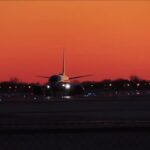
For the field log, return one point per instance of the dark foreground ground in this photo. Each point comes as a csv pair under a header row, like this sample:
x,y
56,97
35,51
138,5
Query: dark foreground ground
x,y
75,124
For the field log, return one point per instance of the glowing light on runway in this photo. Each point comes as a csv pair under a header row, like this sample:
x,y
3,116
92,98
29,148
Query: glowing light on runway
x,y
35,98
110,85
128,84
66,97
68,86
48,86
63,85
48,97
138,84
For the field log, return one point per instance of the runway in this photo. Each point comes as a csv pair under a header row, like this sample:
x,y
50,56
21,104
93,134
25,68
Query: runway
x,y
76,113
106,123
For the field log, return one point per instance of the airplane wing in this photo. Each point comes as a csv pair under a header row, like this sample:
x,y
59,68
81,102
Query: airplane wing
x,y
77,77
43,77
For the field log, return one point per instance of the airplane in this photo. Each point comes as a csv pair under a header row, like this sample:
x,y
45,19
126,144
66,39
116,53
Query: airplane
x,y
62,82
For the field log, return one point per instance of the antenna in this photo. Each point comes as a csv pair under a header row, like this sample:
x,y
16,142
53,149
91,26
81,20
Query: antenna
x,y
64,64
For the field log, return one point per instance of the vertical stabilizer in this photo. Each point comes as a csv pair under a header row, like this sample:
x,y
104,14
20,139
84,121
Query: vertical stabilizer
x,y
64,64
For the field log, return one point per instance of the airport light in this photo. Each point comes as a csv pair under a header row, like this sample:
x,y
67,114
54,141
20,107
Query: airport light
x,y
63,85
68,86
35,98
128,84
48,97
138,93
66,97
48,86
110,84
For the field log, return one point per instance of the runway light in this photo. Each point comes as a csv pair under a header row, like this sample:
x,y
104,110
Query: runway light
x,y
128,84
35,98
68,86
110,84
48,97
63,85
48,86
67,97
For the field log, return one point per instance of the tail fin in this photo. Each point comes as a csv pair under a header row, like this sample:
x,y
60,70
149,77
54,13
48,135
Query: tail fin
x,y
64,64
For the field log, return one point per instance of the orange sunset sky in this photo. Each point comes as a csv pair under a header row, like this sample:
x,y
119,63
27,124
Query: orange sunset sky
x,y
109,39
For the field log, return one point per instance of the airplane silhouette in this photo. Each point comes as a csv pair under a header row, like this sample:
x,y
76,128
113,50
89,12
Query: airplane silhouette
x,y
62,80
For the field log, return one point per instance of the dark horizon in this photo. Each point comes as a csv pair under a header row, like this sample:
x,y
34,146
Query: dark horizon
x,y
131,78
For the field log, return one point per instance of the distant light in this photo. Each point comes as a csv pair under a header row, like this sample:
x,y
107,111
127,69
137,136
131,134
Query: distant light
x,y
138,84
15,87
48,97
48,86
35,98
67,97
92,85
110,84
29,87
63,85
68,86
90,94
10,87
128,84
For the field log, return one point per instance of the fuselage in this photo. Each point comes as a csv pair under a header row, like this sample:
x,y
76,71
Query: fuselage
x,y
61,85
59,79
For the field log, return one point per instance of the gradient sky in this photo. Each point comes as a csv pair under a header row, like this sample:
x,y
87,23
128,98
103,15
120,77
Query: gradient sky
x,y
107,39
